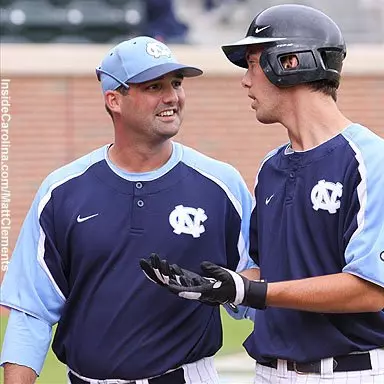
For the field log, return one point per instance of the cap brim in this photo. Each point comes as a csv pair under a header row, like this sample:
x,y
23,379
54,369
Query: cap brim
x,y
163,69
236,52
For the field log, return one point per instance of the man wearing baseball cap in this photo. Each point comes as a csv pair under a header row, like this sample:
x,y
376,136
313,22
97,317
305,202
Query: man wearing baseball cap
x,y
76,262
139,60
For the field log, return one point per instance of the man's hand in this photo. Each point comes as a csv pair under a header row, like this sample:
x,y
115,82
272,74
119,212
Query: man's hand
x,y
160,272
222,286
173,277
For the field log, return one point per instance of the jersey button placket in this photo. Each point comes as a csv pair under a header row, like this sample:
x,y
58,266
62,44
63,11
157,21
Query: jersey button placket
x,y
291,186
140,202
138,218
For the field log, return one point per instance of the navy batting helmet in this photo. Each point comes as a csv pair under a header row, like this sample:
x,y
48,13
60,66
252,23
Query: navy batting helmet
x,y
292,29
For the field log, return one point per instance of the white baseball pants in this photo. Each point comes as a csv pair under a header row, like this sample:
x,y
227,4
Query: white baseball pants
x,y
266,375
200,372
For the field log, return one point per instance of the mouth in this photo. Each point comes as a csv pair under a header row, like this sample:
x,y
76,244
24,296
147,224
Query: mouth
x,y
254,101
167,114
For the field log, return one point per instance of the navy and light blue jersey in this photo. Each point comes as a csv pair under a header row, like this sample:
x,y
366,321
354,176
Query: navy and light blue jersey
x,y
76,261
319,212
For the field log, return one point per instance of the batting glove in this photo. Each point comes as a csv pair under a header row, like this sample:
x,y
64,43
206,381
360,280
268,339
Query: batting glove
x,y
222,286
162,273
175,278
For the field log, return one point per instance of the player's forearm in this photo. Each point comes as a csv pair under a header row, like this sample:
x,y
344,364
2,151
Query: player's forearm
x,y
18,374
251,274
338,293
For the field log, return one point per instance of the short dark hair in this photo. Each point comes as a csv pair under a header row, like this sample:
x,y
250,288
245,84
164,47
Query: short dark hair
x,y
327,87
123,90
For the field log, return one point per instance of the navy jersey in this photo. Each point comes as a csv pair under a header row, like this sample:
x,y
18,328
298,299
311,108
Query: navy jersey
x,y
319,212
77,260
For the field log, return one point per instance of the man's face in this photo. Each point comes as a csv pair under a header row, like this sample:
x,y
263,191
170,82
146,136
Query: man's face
x,y
265,96
153,109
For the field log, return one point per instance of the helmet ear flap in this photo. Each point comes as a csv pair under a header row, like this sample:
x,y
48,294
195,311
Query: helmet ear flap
x,y
313,65
274,63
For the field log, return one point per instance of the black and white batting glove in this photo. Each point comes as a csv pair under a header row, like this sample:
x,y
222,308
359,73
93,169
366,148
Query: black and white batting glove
x,y
175,278
162,273
226,287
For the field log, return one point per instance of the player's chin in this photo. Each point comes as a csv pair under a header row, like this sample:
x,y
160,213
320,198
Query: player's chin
x,y
169,131
265,118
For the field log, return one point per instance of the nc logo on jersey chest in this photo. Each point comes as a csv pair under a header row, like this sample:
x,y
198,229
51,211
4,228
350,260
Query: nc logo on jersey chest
x,y
325,194
187,220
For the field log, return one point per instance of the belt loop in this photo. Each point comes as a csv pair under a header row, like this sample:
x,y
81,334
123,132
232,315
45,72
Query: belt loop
x,y
375,355
282,369
326,368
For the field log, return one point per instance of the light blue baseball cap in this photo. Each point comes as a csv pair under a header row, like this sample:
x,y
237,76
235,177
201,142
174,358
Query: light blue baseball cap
x,y
138,60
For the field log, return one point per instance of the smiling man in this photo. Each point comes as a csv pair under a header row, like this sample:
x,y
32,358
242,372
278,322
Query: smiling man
x,y
76,262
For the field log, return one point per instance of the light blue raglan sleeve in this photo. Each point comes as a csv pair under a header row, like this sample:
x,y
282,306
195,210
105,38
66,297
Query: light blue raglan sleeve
x,y
35,286
30,291
233,184
26,341
364,254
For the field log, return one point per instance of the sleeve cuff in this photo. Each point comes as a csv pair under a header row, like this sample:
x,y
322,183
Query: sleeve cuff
x,y
26,341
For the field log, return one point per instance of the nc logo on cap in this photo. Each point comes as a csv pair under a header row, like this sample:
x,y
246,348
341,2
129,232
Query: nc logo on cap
x,y
156,50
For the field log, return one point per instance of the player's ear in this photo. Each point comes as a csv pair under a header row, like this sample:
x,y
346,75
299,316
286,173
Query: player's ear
x,y
289,62
112,101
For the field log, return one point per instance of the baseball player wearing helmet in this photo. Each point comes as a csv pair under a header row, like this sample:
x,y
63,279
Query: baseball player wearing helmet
x,y
317,227
76,262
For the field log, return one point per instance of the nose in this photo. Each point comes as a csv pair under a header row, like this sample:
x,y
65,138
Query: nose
x,y
170,95
245,81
